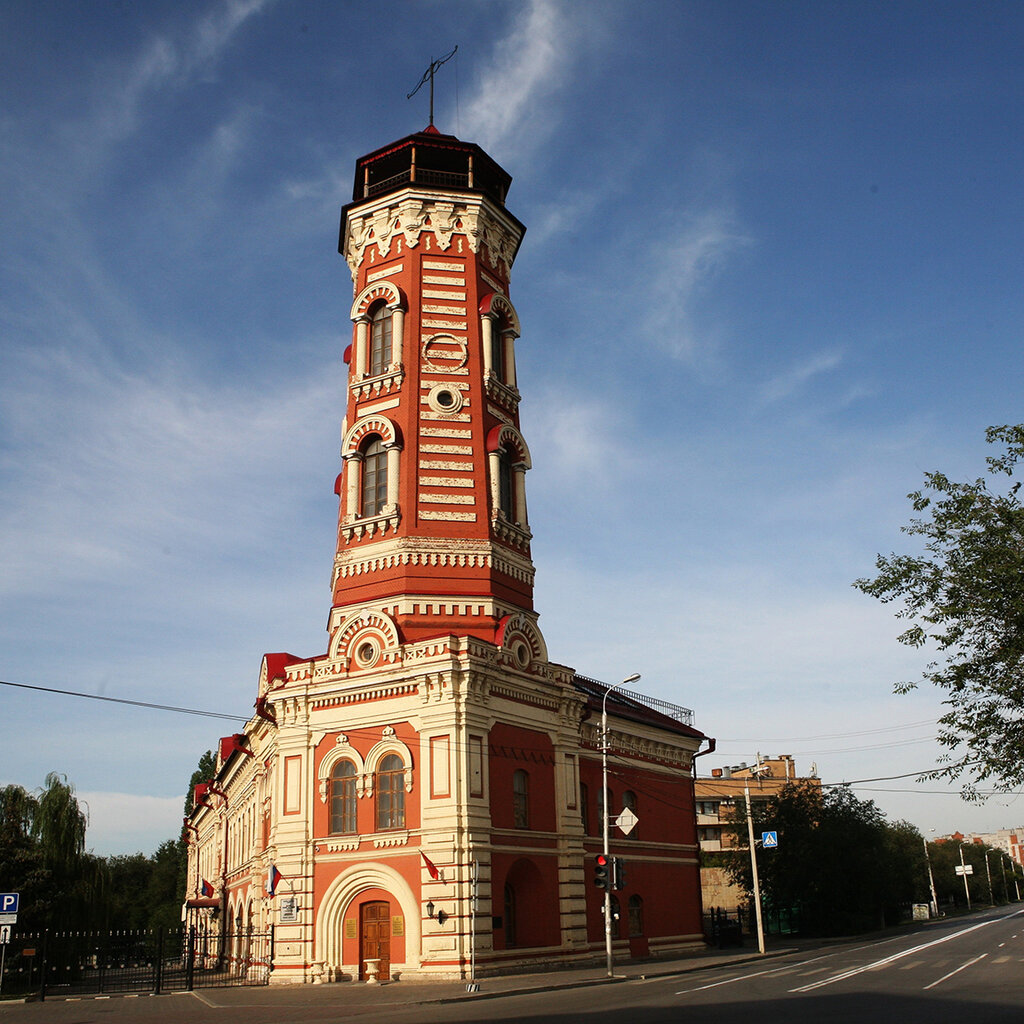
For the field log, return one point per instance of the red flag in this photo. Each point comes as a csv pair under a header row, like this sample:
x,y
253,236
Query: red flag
x,y
434,873
207,888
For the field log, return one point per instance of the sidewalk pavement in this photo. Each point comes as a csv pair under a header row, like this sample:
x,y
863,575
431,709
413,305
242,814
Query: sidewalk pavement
x,y
419,991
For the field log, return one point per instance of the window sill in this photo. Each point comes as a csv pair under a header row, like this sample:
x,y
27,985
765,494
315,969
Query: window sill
x,y
381,384
511,533
387,520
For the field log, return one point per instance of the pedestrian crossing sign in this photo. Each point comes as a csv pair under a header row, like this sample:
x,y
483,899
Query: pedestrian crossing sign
x,y
769,840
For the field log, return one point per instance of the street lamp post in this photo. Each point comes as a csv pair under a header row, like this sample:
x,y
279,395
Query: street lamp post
x,y
604,824
988,875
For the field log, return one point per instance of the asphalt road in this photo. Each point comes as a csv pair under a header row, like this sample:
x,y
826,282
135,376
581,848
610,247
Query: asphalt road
x,y
970,969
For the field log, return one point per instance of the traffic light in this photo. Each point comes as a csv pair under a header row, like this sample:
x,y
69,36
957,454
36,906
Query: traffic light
x,y
618,873
602,878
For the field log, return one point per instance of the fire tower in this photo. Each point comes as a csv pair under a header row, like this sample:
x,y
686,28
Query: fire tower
x,y
424,797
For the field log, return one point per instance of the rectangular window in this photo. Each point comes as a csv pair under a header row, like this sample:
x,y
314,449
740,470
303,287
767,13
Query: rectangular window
x,y
292,784
439,756
476,766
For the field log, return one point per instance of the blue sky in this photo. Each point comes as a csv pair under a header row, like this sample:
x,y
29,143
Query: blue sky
x,y
771,276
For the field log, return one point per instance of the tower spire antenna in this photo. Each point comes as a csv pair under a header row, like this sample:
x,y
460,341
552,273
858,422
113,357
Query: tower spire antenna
x,y
428,75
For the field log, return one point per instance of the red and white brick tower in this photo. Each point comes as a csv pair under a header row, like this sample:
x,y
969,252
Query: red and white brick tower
x,y
433,523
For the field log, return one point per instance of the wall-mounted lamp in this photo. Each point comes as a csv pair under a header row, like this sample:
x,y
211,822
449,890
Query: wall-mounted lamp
x,y
441,915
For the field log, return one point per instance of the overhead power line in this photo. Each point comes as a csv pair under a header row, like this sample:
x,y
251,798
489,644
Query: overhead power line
x,y
124,700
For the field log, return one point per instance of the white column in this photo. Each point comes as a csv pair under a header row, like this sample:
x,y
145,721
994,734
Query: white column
x,y
394,450
362,331
486,326
508,347
353,462
397,334
494,479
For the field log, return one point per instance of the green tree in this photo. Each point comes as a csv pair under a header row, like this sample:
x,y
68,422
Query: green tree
x,y
838,864
205,770
963,596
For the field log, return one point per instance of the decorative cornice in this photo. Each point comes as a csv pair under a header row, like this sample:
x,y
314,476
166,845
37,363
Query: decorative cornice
x,y
441,553
406,216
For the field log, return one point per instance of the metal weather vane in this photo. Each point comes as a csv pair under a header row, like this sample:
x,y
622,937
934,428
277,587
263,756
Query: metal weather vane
x,y
428,75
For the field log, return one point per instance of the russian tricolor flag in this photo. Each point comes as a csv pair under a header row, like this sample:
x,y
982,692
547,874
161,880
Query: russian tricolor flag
x,y
207,888
273,877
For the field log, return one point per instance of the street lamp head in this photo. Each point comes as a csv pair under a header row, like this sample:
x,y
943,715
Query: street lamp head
x,y
630,679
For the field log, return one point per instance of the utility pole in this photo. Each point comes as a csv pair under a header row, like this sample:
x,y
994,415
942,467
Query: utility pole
x,y
931,881
963,871
988,873
753,868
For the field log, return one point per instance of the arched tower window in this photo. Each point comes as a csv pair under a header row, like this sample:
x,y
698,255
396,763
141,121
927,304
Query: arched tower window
x,y
506,491
520,799
391,793
343,798
380,339
499,370
374,492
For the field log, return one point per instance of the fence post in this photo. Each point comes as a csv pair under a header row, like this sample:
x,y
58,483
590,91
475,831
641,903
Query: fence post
x,y
42,967
159,966
190,958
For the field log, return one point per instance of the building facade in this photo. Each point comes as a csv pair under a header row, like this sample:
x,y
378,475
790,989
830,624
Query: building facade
x,y
425,797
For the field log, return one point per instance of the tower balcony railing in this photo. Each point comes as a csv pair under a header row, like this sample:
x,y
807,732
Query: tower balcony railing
x,y
447,179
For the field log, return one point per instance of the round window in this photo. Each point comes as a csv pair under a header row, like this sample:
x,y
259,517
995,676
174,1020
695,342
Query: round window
x,y
445,398
367,652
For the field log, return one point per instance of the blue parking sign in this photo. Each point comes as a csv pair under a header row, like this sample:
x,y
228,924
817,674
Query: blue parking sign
x,y
9,902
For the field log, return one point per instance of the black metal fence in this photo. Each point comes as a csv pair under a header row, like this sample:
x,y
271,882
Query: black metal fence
x,y
161,960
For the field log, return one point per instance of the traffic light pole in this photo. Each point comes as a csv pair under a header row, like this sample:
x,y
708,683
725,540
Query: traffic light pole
x,y
605,816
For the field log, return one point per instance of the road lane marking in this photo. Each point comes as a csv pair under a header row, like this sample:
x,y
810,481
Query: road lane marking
x,y
787,969
898,956
957,971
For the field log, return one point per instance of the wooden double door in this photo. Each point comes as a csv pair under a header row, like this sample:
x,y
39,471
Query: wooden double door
x,y
375,938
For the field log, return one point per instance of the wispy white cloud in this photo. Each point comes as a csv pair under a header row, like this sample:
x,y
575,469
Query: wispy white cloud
x,y
581,435
790,381
676,275
513,106
104,466
119,106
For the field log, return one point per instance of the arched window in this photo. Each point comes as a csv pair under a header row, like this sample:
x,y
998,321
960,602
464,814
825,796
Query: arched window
x,y
520,799
391,793
636,916
498,351
343,798
629,800
506,493
375,476
380,339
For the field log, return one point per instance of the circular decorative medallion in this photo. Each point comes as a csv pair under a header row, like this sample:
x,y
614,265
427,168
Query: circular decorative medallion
x,y
445,352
